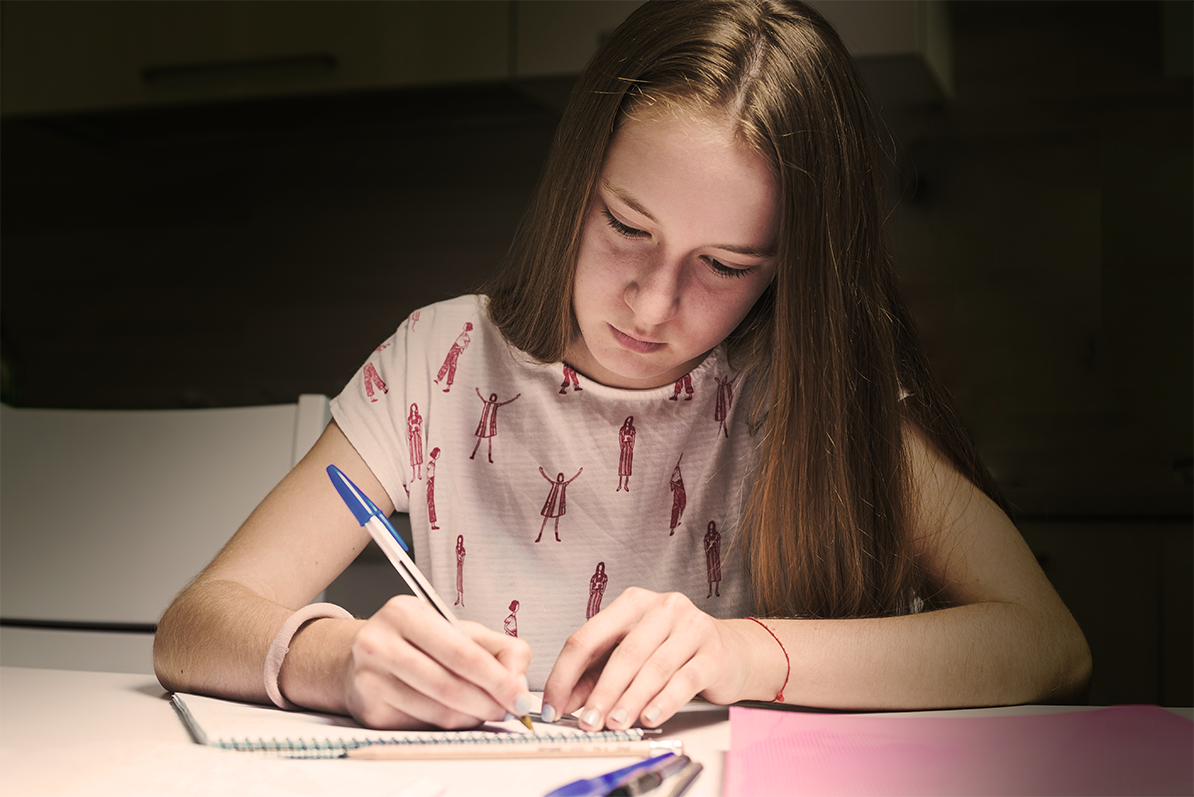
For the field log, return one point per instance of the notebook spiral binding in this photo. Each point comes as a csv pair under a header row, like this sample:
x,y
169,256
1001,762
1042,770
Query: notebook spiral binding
x,y
299,748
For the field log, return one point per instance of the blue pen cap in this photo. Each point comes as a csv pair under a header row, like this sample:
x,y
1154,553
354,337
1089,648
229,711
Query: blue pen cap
x,y
362,508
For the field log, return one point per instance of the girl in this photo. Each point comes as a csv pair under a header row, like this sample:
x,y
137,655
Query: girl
x,y
710,213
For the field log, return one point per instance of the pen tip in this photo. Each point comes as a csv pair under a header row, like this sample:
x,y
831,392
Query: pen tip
x,y
525,720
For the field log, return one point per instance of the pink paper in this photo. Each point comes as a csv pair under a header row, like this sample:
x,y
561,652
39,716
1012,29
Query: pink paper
x,y
1121,750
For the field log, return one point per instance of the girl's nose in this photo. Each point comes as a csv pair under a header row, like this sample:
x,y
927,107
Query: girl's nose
x,y
655,294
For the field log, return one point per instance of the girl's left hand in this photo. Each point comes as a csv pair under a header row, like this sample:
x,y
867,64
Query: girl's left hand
x,y
643,657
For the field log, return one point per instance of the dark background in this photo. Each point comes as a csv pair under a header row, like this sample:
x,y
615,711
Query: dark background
x,y
242,253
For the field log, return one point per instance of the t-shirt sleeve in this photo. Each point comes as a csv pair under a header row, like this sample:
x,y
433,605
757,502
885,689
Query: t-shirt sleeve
x,y
372,413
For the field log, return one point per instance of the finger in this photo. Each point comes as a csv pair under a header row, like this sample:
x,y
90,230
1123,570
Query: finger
x,y
588,647
682,687
379,700
414,644
513,658
671,676
584,686
512,653
645,646
399,664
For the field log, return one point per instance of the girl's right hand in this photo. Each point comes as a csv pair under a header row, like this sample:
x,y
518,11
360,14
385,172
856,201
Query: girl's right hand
x,y
407,666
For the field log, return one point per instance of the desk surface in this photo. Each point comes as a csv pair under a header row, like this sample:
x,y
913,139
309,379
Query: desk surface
x,y
99,734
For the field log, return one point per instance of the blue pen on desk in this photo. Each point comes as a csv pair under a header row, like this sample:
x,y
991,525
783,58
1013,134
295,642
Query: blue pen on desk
x,y
604,784
650,778
394,547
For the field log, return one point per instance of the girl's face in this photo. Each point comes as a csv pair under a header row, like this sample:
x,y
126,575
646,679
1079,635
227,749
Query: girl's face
x,y
678,243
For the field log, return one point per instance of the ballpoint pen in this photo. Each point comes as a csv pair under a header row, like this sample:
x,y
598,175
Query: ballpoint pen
x,y
394,547
601,785
650,778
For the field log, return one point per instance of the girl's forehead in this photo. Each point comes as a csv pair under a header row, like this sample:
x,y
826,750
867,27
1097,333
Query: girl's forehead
x,y
694,170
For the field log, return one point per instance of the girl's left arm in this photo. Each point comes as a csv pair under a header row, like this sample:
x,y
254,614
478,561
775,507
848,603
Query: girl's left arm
x,y
1005,639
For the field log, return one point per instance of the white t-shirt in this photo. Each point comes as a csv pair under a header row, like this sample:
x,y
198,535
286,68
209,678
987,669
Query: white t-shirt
x,y
536,495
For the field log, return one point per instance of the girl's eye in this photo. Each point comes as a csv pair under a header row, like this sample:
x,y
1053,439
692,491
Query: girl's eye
x,y
626,231
722,270
622,229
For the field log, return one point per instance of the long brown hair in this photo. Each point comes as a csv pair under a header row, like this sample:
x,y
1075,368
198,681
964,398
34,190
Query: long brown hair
x,y
828,347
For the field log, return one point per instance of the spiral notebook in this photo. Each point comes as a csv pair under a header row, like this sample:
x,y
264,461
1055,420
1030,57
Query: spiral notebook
x,y
266,730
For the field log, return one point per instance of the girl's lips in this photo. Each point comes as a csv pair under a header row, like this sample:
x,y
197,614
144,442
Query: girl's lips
x,y
634,344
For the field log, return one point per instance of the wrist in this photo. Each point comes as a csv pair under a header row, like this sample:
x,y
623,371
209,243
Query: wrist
x,y
310,674
775,676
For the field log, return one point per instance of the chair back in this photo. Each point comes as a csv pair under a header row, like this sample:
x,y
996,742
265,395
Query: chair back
x,y
105,515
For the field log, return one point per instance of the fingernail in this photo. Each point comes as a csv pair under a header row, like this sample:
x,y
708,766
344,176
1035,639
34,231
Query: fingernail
x,y
590,717
523,704
652,714
547,713
508,717
619,716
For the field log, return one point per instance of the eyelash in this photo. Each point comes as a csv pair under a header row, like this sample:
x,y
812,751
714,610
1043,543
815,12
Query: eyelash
x,y
626,231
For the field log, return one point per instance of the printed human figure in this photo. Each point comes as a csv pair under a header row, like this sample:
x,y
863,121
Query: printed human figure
x,y
569,379
713,559
373,381
556,504
679,497
511,624
683,383
432,458
626,457
596,590
487,426
448,369
414,440
460,570
725,400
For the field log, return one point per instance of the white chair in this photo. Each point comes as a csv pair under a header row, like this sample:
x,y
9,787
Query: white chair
x,y
105,515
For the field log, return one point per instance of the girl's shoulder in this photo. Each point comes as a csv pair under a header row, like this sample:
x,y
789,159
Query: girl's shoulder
x,y
460,319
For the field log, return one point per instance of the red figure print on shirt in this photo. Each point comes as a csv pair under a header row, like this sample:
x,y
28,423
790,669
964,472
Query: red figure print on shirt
x,y
683,383
679,497
725,400
597,586
373,381
626,457
412,319
447,371
511,624
569,379
414,441
431,460
487,426
556,504
713,559
460,570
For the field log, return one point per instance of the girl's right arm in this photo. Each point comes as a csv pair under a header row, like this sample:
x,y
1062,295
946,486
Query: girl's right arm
x,y
404,666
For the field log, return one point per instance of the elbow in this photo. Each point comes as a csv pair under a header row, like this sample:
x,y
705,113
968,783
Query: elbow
x,y
1079,671
1071,676
162,657
168,658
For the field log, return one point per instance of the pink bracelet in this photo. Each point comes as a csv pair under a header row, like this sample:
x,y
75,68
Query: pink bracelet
x,y
281,645
779,697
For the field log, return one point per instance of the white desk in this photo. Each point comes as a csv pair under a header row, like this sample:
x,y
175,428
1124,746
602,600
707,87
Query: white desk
x,y
116,735
96,734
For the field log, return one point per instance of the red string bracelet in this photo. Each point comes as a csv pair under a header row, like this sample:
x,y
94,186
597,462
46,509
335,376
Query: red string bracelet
x,y
779,696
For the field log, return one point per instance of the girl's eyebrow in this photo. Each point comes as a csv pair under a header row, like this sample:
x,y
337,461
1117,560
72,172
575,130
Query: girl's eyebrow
x,y
625,197
629,201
